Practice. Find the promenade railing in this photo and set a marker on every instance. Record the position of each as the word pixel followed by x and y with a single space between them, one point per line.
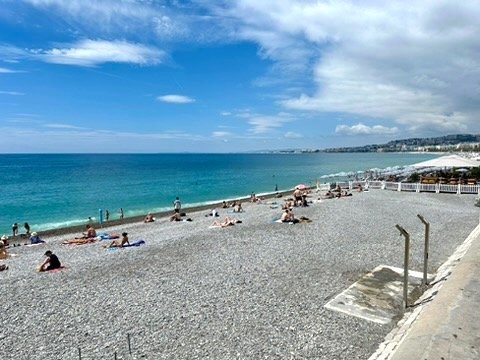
pixel 412 187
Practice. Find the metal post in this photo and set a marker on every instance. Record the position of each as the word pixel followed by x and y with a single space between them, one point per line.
pixel 405 264
pixel 129 344
pixel 425 251
pixel 79 354
pixel 115 355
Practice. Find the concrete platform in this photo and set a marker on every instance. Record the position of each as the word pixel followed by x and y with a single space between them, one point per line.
pixel 445 325
pixel 378 296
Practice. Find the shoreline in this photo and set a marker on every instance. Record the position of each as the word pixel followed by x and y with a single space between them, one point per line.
pixel 138 219
pixel 150 191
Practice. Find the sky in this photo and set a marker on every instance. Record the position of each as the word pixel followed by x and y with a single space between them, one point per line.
pixel 148 76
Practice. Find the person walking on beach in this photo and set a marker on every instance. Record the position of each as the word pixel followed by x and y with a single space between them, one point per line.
pixel 15 229
pixel 50 263
pixel 121 213
pixel 177 205
pixel 107 215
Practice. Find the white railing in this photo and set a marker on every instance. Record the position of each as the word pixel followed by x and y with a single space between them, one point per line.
pixel 470 189
pixel 390 185
pixel 409 187
pixel 416 187
pixel 375 184
pixel 428 187
pixel 449 188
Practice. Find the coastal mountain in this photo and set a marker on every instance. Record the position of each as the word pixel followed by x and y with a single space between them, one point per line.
pixel 459 142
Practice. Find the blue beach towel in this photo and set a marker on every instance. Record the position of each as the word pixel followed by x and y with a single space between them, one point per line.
pixel 107 236
pixel 135 243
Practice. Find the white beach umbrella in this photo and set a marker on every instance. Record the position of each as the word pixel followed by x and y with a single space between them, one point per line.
pixel 448 161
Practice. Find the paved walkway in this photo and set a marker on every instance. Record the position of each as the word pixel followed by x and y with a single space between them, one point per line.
pixel 446 326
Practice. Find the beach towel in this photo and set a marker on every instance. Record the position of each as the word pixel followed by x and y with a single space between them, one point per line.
pixel 281 222
pixel 107 236
pixel 61 268
pixel 135 243
pixel 42 243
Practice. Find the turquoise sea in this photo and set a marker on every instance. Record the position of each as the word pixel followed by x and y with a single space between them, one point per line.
pixel 51 191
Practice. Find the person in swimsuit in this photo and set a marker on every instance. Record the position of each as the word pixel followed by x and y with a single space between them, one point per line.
pixel 149 218
pixel 121 242
pixel 90 234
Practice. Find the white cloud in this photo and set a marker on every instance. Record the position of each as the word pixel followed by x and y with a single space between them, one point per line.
pixel 225 113
pixel 14 93
pixel 63 126
pixel 59 138
pixel 175 99
pixel 105 13
pixel 413 63
pixel 221 134
pixel 361 129
pixel 293 135
pixel 156 19
pixel 8 71
pixel 94 52
pixel 262 124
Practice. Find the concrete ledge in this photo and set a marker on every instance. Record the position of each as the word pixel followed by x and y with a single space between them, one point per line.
pixel 445 323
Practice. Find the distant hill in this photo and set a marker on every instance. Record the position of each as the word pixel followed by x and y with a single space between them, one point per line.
pixel 413 144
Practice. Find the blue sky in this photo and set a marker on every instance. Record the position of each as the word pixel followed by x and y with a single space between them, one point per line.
pixel 239 75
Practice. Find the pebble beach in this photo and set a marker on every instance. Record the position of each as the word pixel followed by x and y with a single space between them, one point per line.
pixel 255 290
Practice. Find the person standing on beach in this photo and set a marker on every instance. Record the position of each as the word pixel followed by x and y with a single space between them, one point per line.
pixel 177 205
pixel 27 229
pixel 15 229
pixel 121 213
pixel 107 215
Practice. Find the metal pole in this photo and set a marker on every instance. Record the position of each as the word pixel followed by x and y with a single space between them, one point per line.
pixel 425 251
pixel 405 264
pixel 129 344
pixel 115 355
pixel 79 354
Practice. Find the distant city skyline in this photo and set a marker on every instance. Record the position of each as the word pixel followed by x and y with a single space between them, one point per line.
pixel 120 76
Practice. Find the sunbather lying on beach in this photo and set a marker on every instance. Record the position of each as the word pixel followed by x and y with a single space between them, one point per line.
pixel 119 243
pixel 213 213
pixel 149 218
pixel 79 241
pixel 178 217
pixel 227 222
pixel 50 263
pixel 289 203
